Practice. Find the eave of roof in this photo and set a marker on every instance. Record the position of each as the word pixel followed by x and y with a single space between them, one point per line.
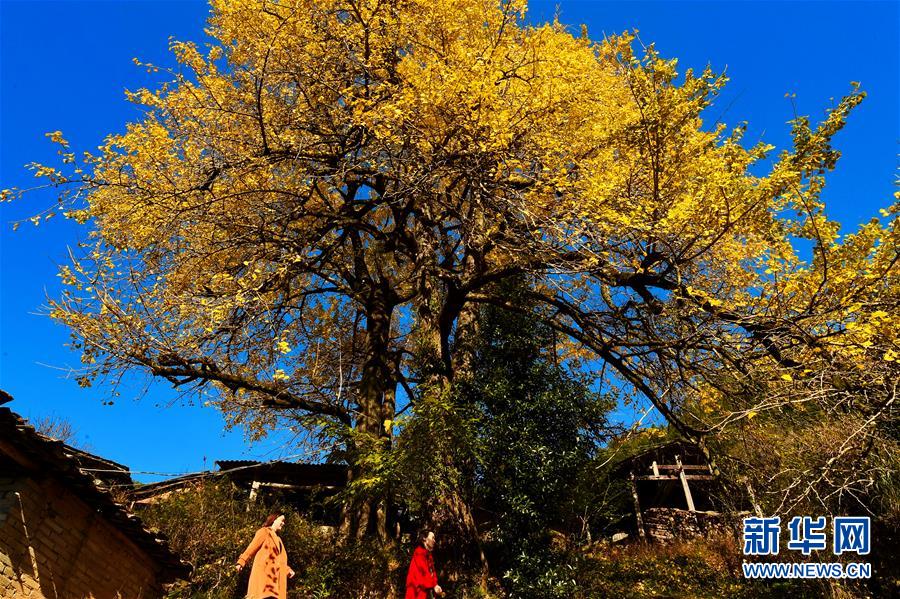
pixel 53 456
pixel 149 490
pixel 676 445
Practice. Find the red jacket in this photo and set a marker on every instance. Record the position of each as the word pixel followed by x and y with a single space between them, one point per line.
pixel 421 577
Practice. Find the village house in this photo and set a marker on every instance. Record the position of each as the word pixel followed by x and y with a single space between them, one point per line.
pixel 62 534
pixel 306 487
pixel 674 494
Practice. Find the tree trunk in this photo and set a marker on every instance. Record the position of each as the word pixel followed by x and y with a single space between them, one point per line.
pixel 364 516
pixel 436 327
pixel 383 509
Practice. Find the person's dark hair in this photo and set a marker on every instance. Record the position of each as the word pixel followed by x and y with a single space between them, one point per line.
pixel 423 534
pixel 270 520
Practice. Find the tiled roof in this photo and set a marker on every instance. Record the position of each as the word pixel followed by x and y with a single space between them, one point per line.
pixel 662 453
pixel 56 458
pixel 109 473
pixel 294 473
pixel 232 464
pixel 243 472
pixel 141 493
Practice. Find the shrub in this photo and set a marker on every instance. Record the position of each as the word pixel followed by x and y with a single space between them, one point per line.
pixel 698 569
pixel 209 526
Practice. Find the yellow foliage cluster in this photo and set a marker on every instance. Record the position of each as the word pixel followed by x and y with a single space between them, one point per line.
pixel 323 169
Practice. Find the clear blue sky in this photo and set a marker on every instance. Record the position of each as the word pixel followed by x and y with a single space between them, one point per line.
pixel 64 65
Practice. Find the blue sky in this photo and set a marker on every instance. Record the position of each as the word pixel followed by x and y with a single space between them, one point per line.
pixel 64 65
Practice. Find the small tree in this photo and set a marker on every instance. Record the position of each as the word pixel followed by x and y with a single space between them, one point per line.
pixel 58 428
pixel 538 427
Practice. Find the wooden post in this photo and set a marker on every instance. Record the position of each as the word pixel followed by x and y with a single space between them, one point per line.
pixel 655 469
pixel 684 484
pixel 254 490
pixel 637 509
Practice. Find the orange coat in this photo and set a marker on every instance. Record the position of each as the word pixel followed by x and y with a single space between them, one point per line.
pixel 268 577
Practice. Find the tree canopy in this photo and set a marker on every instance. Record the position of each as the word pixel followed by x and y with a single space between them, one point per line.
pixel 308 215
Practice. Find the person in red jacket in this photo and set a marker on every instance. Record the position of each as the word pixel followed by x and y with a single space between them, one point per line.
pixel 421 577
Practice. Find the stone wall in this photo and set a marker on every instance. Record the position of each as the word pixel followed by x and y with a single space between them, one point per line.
pixel 54 546
pixel 665 525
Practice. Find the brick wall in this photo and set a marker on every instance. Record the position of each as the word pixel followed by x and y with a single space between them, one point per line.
pixel 54 546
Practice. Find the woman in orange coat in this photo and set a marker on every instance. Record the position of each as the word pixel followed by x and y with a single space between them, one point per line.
pixel 268 577
pixel 421 577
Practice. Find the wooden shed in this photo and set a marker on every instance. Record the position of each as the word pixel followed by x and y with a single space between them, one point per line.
pixel 674 493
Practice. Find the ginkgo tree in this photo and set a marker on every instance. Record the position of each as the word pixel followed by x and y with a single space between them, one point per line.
pixel 309 214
